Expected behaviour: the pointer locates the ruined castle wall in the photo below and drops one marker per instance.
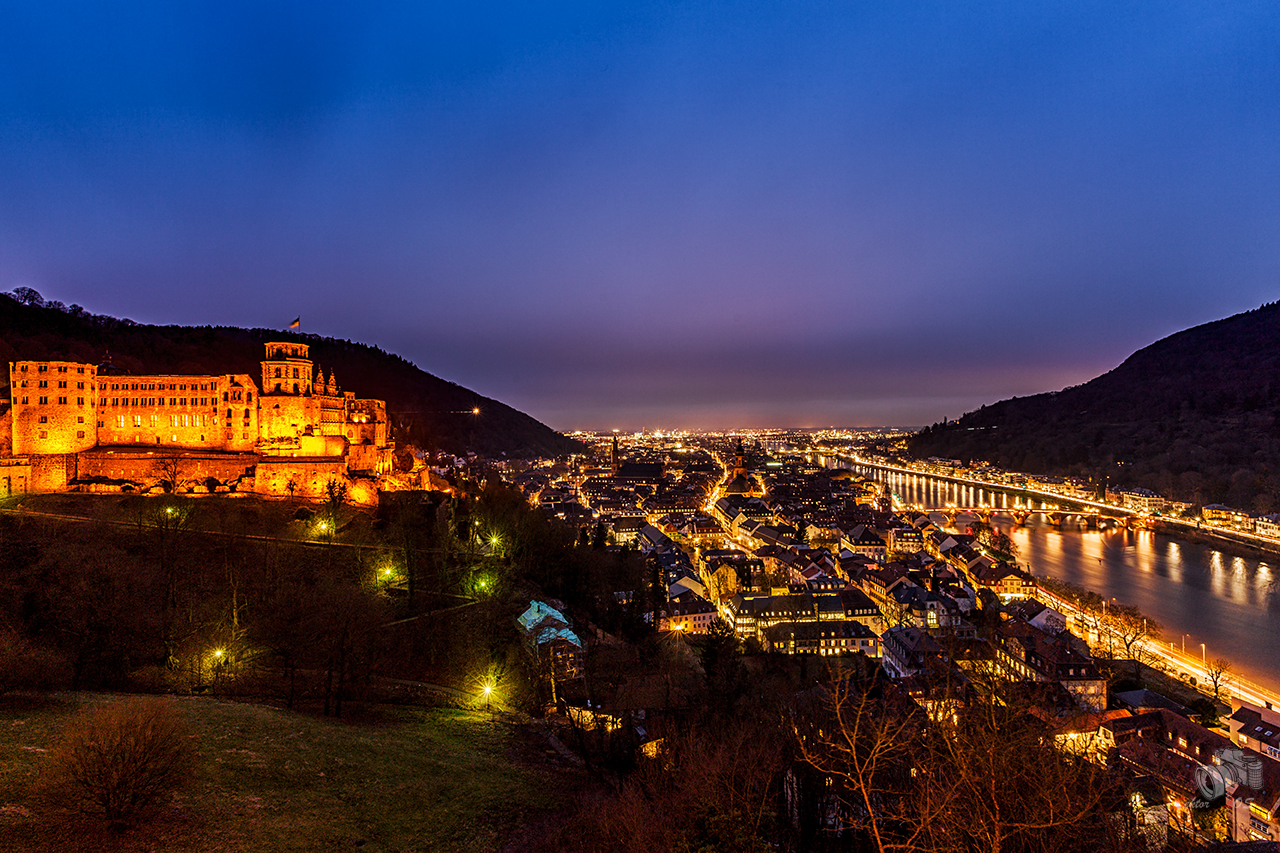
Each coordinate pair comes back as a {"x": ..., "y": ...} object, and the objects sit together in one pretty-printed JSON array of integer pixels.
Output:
[
  {"x": 51, "y": 472},
  {"x": 53, "y": 406},
  {"x": 6, "y": 429},
  {"x": 309, "y": 475},
  {"x": 145, "y": 468},
  {"x": 282, "y": 420},
  {"x": 15, "y": 476}
]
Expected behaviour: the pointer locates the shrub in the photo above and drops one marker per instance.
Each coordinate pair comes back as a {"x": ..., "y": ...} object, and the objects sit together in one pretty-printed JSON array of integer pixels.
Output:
[
  {"x": 120, "y": 760},
  {"x": 26, "y": 666}
]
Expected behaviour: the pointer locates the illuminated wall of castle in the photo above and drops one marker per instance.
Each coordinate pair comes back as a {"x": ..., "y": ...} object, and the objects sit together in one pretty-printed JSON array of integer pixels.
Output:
[
  {"x": 59, "y": 407},
  {"x": 190, "y": 412},
  {"x": 52, "y": 406}
]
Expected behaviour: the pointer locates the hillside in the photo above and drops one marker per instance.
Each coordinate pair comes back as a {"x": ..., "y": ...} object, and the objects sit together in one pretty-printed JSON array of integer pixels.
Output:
[
  {"x": 424, "y": 409},
  {"x": 1193, "y": 416}
]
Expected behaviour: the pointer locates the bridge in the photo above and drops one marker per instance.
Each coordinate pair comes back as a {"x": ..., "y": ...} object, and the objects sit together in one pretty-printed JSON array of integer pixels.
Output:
[{"x": 1055, "y": 517}]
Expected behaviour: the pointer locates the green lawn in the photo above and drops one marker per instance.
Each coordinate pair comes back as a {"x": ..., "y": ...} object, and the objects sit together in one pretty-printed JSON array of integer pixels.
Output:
[{"x": 411, "y": 779}]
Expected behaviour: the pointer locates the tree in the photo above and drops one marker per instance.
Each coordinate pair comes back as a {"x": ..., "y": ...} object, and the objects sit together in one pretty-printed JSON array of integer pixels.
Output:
[
  {"x": 1217, "y": 671},
  {"x": 1127, "y": 625},
  {"x": 335, "y": 495},
  {"x": 983, "y": 776},
  {"x": 171, "y": 468},
  {"x": 854, "y": 740},
  {"x": 721, "y": 661}
]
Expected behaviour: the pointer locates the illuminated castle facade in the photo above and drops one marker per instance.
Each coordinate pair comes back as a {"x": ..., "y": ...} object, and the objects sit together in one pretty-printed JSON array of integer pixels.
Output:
[{"x": 67, "y": 425}]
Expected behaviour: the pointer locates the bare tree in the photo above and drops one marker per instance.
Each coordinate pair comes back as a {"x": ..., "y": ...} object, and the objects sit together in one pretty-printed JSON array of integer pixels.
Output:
[
  {"x": 869, "y": 750},
  {"x": 1127, "y": 626},
  {"x": 172, "y": 469},
  {"x": 1218, "y": 671}
]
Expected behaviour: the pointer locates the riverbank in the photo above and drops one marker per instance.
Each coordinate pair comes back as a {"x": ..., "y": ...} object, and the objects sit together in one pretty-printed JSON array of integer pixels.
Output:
[{"x": 1253, "y": 546}]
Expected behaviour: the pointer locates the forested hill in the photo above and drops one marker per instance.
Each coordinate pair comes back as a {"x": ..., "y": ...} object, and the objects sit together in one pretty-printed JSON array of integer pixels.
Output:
[
  {"x": 424, "y": 410},
  {"x": 1195, "y": 416}
]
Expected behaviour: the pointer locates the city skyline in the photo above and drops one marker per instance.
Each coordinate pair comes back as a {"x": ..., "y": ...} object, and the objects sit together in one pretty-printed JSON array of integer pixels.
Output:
[{"x": 659, "y": 216}]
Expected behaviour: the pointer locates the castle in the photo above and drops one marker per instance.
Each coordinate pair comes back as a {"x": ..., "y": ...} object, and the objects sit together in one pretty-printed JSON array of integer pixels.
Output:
[{"x": 72, "y": 426}]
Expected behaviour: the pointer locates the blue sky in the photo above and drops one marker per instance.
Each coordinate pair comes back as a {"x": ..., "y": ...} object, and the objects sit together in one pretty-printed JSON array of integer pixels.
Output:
[{"x": 663, "y": 214}]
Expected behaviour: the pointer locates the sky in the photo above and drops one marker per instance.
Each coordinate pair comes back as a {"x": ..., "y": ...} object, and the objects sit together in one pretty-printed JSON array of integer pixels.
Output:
[{"x": 658, "y": 215}]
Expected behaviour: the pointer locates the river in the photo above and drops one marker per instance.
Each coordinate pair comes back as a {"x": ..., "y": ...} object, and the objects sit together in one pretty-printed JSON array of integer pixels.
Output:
[{"x": 1226, "y": 600}]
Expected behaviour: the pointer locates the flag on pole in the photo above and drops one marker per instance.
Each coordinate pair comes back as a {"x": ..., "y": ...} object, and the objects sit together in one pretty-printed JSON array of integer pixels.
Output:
[{"x": 295, "y": 323}]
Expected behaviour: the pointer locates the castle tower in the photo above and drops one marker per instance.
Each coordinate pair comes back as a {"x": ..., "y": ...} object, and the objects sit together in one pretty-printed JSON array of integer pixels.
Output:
[
  {"x": 613, "y": 456},
  {"x": 287, "y": 369}
]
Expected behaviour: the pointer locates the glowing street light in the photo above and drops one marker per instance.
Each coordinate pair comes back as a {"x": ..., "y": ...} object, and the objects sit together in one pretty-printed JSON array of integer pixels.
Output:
[{"x": 487, "y": 690}]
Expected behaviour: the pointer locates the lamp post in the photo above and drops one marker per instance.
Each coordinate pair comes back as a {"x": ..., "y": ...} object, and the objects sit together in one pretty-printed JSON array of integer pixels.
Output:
[{"x": 488, "y": 694}]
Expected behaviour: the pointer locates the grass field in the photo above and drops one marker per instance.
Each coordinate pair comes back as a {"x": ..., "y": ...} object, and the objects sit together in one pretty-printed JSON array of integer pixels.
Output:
[{"x": 399, "y": 779}]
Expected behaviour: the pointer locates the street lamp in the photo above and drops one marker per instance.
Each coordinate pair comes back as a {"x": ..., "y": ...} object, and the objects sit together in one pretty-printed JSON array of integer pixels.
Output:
[{"x": 487, "y": 690}]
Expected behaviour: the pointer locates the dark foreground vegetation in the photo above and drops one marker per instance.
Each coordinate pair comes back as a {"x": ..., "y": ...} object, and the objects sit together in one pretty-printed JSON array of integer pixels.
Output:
[
  {"x": 1192, "y": 417},
  {"x": 331, "y": 645},
  {"x": 272, "y": 781},
  {"x": 425, "y": 410}
]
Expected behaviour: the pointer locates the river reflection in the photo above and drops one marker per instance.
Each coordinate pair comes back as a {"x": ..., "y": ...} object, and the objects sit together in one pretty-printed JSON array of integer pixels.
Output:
[{"x": 1227, "y": 601}]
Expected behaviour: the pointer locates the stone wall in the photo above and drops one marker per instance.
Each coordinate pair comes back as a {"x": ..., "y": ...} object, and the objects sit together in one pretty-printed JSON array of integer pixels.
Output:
[
  {"x": 145, "y": 468},
  {"x": 53, "y": 407}
]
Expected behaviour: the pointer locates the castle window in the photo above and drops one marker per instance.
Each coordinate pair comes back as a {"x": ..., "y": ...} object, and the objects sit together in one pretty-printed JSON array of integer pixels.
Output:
[
  {"x": 80, "y": 386},
  {"x": 44, "y": 400},
  {"x": 62, "y": 369},
  {"x": 79, "y": 433},
  {"x": 62, "y": 401},
  {"x": 44, "y": 433},
  {"x": 24, "y": 368},
  {"x": 62, "y": 383},
  {"x": 24, "y": 401},
  {"x": 137, "y": 420},
  {"x": 277, "y": 373},
  {"x": 120, "y": 421},
  {"x": 79, "y": 401},
  {"x": 44, "y": 419},
  {"x": 295, "y": 387},
  {"x": 79, "y": 370},
  {"x": 228, "y": 414},
  {"x": 249, "y": 397},
  {"x": 80, "y": 419},
  {"x": 295, "y": 373},
  {"x": 43, "y": 383}
]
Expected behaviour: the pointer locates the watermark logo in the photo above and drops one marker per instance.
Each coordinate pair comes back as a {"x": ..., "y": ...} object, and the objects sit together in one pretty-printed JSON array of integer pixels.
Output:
[{"x": 1232, "y": 767}]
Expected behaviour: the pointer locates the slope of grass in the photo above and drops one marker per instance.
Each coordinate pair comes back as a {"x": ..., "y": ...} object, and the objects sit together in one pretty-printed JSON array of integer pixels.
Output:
[{"x": 270, "y": 780}]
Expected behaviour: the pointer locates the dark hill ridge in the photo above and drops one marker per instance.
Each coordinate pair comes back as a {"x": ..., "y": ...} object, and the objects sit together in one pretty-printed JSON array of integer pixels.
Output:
[
  {"x": 1195, "y": 416},
  {"x": 425, "y": 410}
]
